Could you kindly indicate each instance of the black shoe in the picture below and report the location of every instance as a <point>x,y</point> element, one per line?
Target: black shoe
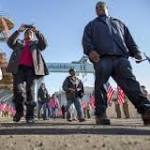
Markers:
<point>81,120</point>
<point>45,119</point>
<point>146,118</point>
<point>17,117</point>
<point>70,120</point>
<point>102,120</point>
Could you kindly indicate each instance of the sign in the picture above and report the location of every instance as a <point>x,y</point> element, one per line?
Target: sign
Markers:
<point>64,67</point>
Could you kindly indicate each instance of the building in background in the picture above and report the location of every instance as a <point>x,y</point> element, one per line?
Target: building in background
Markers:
<point>7,80</point>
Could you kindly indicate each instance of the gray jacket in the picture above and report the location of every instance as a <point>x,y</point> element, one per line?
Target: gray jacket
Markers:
<point>108,36</point>
<point>36,47</point>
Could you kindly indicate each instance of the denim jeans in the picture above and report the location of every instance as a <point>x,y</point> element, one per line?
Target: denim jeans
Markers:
<point>77,105</point>
<point>120,70</point>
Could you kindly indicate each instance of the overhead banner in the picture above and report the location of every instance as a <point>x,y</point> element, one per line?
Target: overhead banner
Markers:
<point>64,67</point>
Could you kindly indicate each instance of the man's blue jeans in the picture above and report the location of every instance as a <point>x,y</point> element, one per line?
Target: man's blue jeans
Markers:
<point>120,70</point>
<point>77,105</point>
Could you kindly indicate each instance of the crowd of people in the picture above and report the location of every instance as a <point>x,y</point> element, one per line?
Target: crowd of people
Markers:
<point>48,106</point>
<point>108,44</point>
<point>75,109</point>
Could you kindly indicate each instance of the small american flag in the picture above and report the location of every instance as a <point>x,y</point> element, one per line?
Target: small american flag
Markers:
<point>121,95</point>
<point>92,101</point>
<point>110,91</point>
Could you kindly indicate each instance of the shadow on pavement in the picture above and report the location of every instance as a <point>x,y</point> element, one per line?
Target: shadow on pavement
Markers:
<point>124,123</point>
<point>53,130</point>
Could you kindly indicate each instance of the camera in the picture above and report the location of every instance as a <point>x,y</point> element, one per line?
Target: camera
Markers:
<point>28,26</point>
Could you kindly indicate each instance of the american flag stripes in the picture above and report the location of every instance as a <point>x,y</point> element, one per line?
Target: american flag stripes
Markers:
<point>92,101</point>
<point>110,91</point>
<point>121,95</point>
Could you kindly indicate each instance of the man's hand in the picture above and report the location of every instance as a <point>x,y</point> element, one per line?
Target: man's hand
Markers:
<point>138,56</point>
<point>94,56</point>
<point>21,28</point>
<point>71,90</point>
<point>34,29</point>
<point>78,89</point>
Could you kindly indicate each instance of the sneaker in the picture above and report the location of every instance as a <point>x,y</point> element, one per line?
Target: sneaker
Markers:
<point>146,117</point>
<point>102,120</point>
<point>30,120</point>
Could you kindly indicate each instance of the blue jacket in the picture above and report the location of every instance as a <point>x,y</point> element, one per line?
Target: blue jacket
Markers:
<point>108,36</point>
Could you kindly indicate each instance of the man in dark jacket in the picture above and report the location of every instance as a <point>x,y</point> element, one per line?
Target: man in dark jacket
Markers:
<point>108,43</point>
<point>74,91</point>
<point>26,63</point>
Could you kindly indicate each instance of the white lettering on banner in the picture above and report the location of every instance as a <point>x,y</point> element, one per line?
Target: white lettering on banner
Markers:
<point>64,67</point>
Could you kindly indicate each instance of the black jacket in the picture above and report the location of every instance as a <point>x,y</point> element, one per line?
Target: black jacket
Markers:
<point>108,36</point>
<point>43,95</point>
<point>68,83</point>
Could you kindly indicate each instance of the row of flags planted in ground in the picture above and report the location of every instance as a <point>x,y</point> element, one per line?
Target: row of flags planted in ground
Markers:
<point>120,96</point>
<point>4,107</point>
